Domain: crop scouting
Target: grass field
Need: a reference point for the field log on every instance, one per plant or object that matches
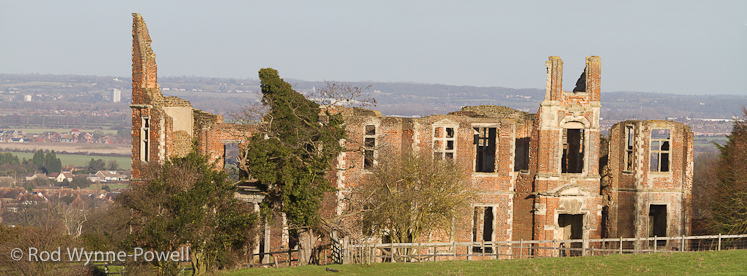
(732, 262)
(707, 141)
(81, 160)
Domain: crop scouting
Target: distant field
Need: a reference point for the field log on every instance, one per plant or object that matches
(96, 149)
(81, 160)
(113, 187)
(706, 141)
(61, 130)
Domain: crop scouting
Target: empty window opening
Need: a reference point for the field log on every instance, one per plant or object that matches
(629, 148)
(485, 155)
(572, 227)
(521, 155)
(482, 228)
(444, 143)
(573, 151)
(660, 150)
(657, 222)
(231, 160)
(370, 130)
(369, 146)
(581, 83)
(145, 140)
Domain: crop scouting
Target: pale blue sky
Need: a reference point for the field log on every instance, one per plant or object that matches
(685, 47)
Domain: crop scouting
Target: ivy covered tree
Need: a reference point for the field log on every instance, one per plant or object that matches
(729, 205)
(292, 154)
(186, 202)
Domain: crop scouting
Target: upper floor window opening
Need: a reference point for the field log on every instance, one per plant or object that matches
(573, 151)
(369, 147)
(660, 149)
(444, 142)
(485, 138)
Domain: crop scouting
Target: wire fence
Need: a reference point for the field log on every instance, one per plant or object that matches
(486, 250)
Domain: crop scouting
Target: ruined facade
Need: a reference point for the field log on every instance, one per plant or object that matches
(650, 168)
(544, 176)
(166, 126)
(550, 175)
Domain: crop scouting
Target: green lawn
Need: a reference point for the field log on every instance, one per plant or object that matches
(732, 262)
(81, 160)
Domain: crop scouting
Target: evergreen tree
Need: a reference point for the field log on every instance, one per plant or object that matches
(292, 154)
(9, 158)
(52, 163)
(38, 159)
(729, 207)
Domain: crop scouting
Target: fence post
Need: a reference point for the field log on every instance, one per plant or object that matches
(554, 247)
(656, 244)
(419, 248)
(483, 249)
(585, 246)
(682, 244)
(290, 256)
(455, 251)
(392, 251)
(719, 242)
(621, 245)
(521, 249)
(435, 253)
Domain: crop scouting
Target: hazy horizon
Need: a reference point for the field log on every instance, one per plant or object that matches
(672, 47)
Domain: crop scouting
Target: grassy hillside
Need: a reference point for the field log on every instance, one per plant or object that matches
(733, 262)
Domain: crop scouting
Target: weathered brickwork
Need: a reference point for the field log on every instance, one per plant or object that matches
(547, 179)
(544, 176)
(649, 174)
(172, 123)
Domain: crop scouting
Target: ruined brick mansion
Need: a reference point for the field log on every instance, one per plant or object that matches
(543, 176)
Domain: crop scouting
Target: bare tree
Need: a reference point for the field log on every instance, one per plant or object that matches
(73, 217)
(409, 195)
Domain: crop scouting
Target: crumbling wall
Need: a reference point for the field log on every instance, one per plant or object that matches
(634, 189)
(576, 192)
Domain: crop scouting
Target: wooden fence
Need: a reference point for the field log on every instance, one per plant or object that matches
(440, 251)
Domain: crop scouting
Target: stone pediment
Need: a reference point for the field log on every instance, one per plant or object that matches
(572, 190)
(446, 121)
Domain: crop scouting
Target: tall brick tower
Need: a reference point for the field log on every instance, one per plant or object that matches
(161, 126)
(145, 92)
(568, 203)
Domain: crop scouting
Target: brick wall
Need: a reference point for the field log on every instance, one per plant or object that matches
(526, 201)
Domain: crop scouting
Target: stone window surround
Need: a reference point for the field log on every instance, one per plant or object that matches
(145, 139)
(629, 138)
(442, 149)
(375, 136)
(668, 152)
(497, 146)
